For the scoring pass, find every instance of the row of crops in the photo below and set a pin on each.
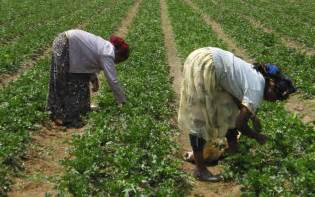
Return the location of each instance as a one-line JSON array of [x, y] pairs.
[[131, 150], [285, 165], [263, 46], [31, 27], [295, 20], [22, 108]]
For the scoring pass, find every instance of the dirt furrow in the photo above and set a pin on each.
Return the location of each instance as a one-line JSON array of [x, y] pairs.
[[125, 24], [50, 145], [173, 60], [199, 188], [288, 42], [40, 54], [42, 167], [216, 27], [294, 104]]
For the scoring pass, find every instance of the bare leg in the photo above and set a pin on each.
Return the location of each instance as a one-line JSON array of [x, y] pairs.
[[231, 136], [200, 164], [260, 138], [201, 171]]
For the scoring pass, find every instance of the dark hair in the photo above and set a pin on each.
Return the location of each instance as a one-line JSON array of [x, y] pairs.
[[268, 70], [284, 87], [260, 68], [283, 84]]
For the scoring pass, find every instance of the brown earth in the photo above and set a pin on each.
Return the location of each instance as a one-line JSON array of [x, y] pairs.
[[305, 109], [199, 188], [50, 144], [42, 167], [125, 24]]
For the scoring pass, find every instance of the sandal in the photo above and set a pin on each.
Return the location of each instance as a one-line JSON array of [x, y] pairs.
[[209, 177]]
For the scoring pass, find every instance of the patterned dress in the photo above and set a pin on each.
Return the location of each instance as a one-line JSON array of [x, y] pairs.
[[69, 93], [206, 109]]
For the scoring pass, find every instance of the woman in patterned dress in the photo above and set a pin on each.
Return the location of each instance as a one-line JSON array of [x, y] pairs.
[[220, 93], [77, 57]]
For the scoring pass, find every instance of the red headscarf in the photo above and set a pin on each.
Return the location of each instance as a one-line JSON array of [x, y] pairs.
[[120, 45]]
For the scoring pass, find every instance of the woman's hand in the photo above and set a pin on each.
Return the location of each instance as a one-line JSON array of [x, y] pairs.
[[256, 124], [242, 126], [94, 82], [242, 118], [95, 85]]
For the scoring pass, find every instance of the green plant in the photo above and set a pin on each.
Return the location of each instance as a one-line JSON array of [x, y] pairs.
[[284, 166], [130, 151], [22, 102]]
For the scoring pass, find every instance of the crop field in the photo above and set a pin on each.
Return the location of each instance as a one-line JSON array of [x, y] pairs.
[[137, 150]]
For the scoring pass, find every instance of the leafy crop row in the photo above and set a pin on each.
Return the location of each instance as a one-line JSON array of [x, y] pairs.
[[282, 167], [25, 17], [22, 105], [264, 47], [194, 34], [14, 10], [130, 151], [294, 20], [13, 53], [22, 108]]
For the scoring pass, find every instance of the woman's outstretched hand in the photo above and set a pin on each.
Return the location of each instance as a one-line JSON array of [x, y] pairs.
[[242, 126], [94, 82], [256, 124], [95, 85]]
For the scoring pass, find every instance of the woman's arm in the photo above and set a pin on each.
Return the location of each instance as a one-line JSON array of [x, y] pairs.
[[256, 123], [110, 75], [95, 83], [242, 125], [242, 118]]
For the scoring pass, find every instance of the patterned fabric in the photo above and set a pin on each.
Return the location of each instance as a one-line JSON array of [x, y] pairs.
[[69, 93], [206, 110]]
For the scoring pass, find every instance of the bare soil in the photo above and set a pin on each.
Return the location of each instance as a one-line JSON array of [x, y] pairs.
[[199, 188], [42, 162], [50, 145], [125, 24], [305, 109]]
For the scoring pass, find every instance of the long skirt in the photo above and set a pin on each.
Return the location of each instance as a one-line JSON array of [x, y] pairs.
[[69, 93], [206, 110]]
